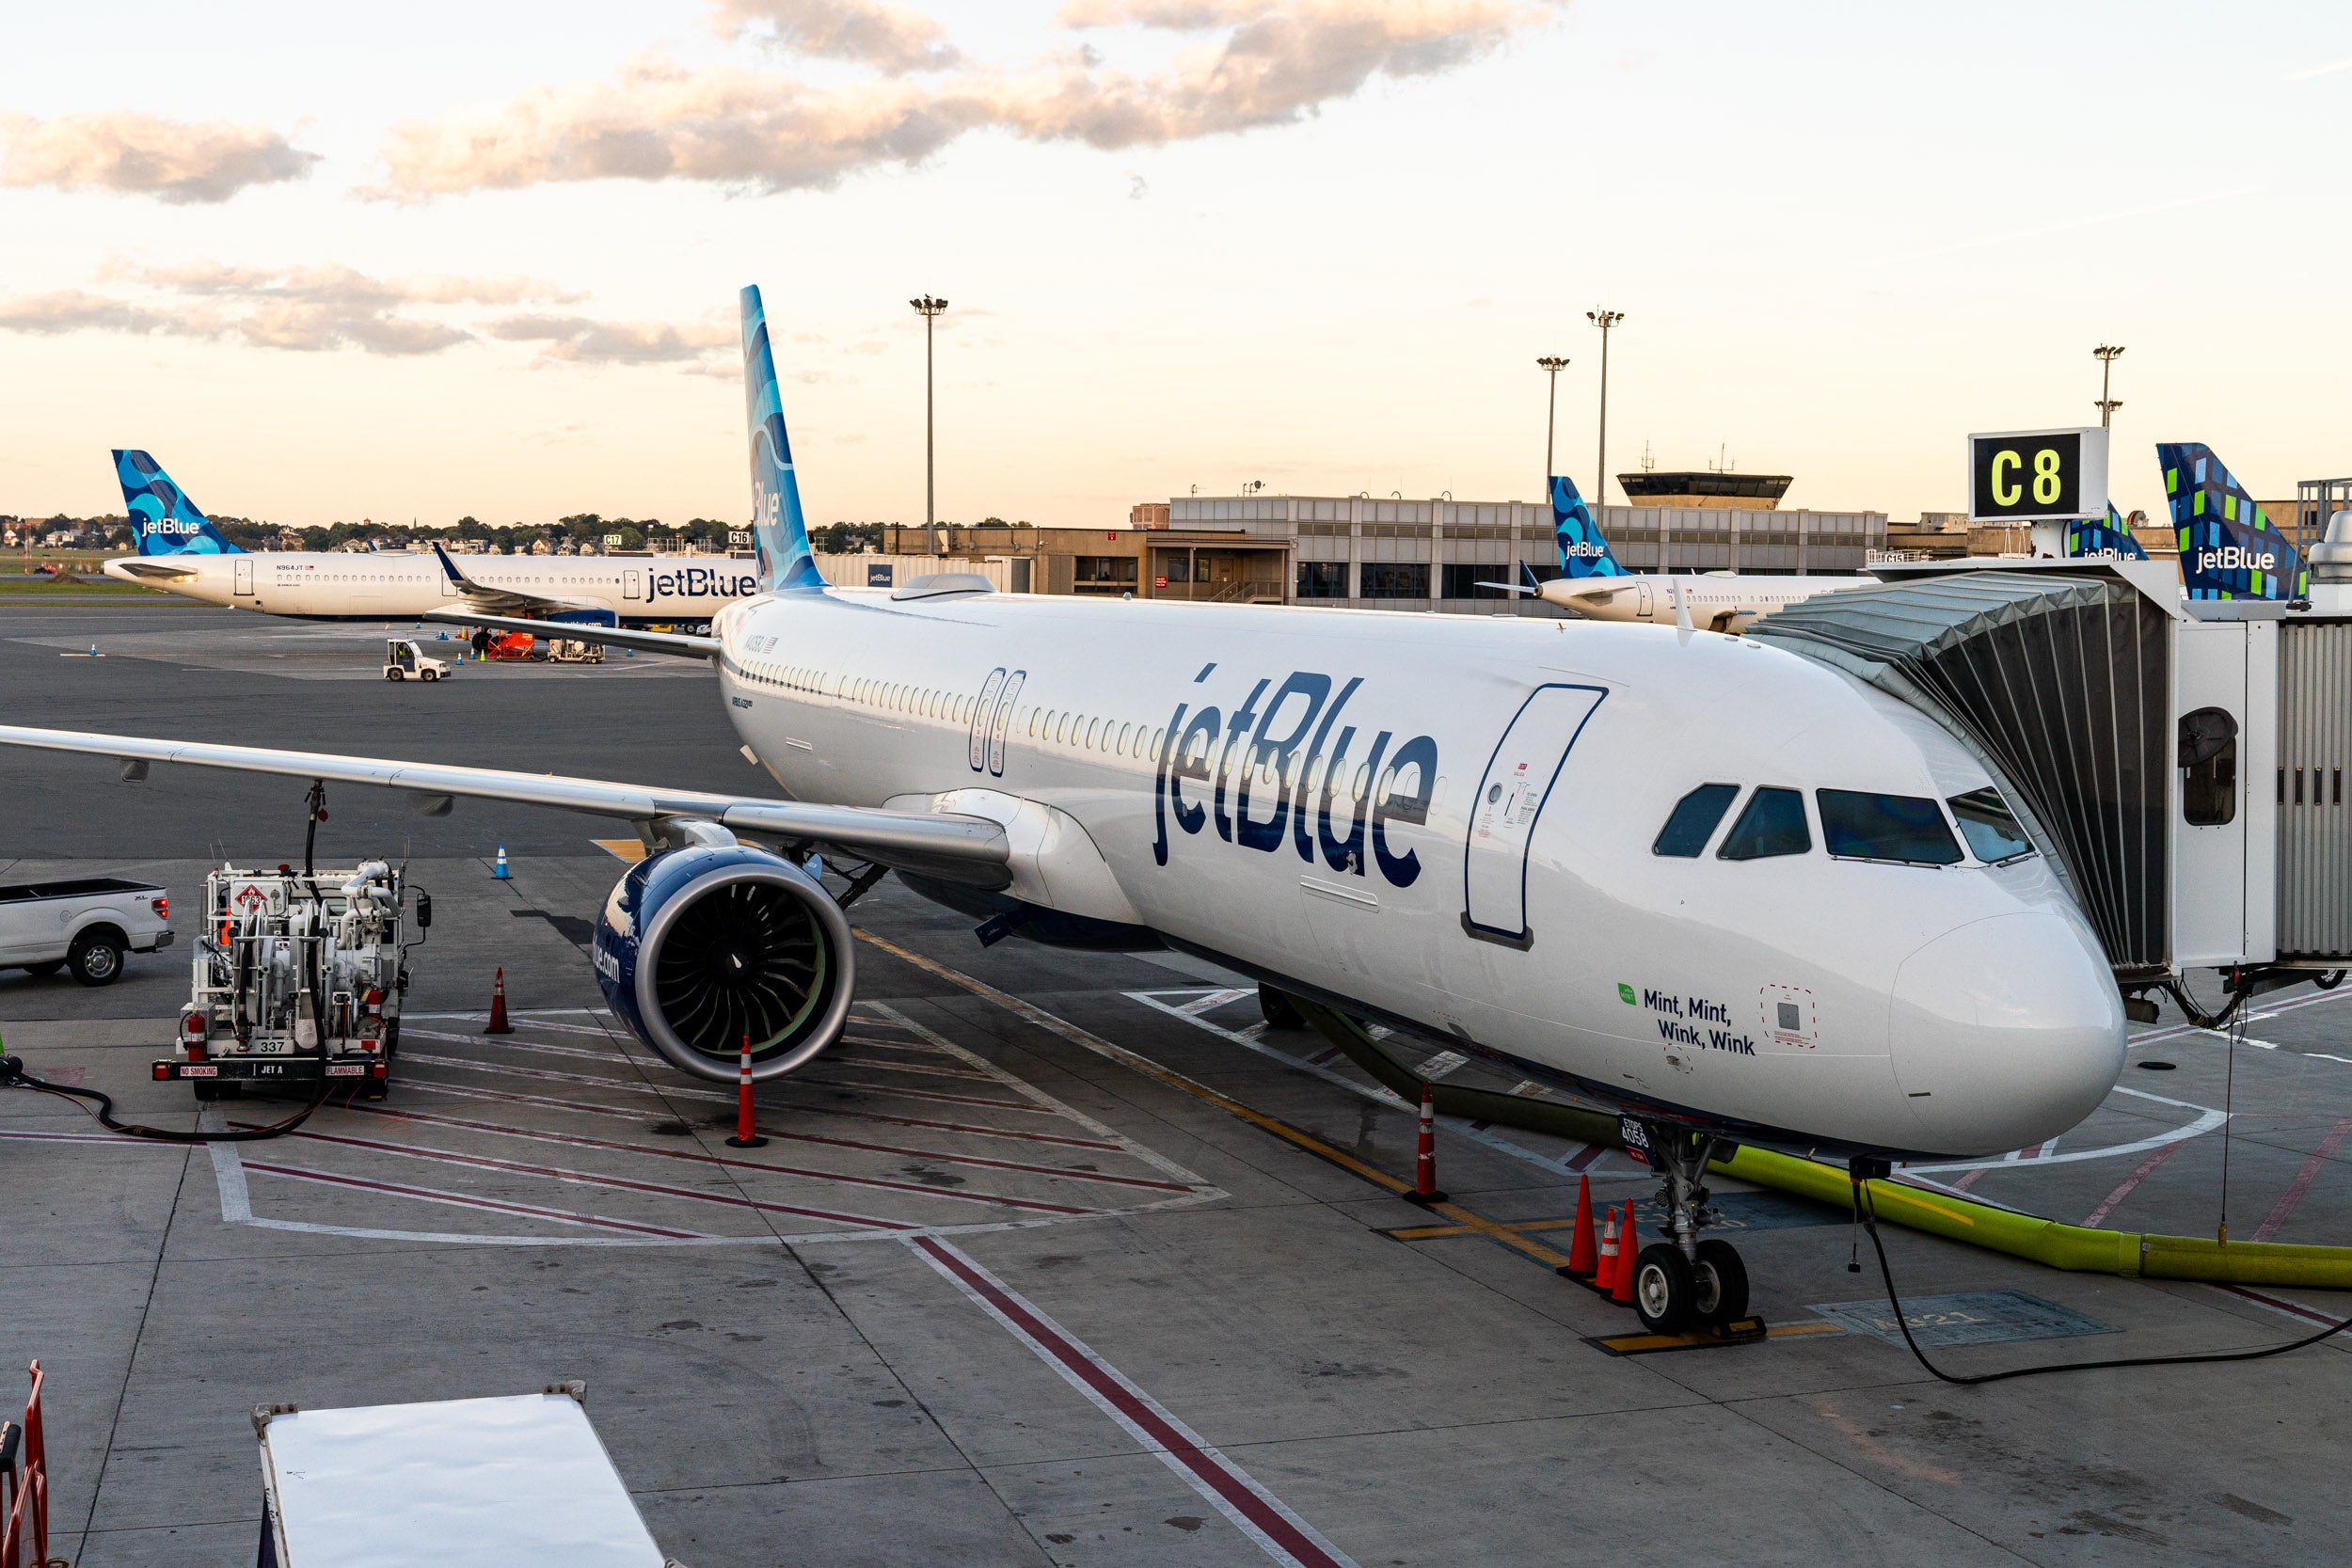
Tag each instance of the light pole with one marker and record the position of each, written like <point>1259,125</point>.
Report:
<point>1603,319</point>
<point>1551,364</point>
<point>930,308</point>
<point>2106,354</point>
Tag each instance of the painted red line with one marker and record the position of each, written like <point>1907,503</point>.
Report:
<point>1584,1158</point>
<point>2294,1307</point>
<point>2302,1183</point>
<point>922,1069</point>
<point>667,1154</point>
<point>2145,1168</point>
<point>1274,1527</point>
<point>509,1070</point>
<point>117,1140</point>
<point>464,1201</point>
<point>797,1110</point>
<point>1969,1179</point>
<point>566,1174</point>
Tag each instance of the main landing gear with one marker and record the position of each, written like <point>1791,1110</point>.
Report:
<point>1685,1282</point>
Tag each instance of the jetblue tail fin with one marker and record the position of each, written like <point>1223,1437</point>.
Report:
<point>2228,548</point>
<point>785,561</point>
<point>1584,553</point>
<point>162,518</point>
<point>2111,540</point>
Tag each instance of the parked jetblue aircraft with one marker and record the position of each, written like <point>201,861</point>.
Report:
<point>1595,586</point>
<point>2228,548</point>
<point>1708,882</point>
<point>180,551</point>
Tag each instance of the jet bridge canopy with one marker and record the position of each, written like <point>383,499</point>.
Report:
<point>2063,685</point>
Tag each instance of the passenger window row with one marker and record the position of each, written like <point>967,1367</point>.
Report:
<point>1909,829</point>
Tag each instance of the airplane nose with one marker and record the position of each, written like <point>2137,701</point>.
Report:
<point>2005,1032</point>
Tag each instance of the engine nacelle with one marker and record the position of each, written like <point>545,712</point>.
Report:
<point>699,948</point>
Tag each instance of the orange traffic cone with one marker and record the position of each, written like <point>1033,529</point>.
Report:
<point>1583,1256</point>
<point>1629,1247</point>
<point>1605,1274</point>
<point>1426,1153</point>
<point>746,1121</point>
<point>498,1006</point>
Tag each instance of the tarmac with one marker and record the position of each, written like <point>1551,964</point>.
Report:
<point>1058,1258</point>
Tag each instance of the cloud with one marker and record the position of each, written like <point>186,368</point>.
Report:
<point>306,309</point>
<point>583,340</point>
<point>888,38</point>
<point>121,150</point>
<point>1259,63</point>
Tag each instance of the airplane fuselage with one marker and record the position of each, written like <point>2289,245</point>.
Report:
<point>1449,821</point>
<point>338,585</point>
<point>1719,601</point>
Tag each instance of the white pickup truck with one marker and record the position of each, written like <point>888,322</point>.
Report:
<point>86,926</point>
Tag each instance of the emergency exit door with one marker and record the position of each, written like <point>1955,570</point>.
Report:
<point>629,584</point>
<point>1519,782</point>
<point>243,571</point>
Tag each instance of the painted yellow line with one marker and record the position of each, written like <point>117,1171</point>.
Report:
<point>1440,1232</point>
<point>1635,1344</point>
<point>1464,1221</point>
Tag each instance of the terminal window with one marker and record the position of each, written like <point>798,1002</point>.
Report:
<point>1395,579</point>
<point>1468,579</point>
<point>1323,579</point>
<point>1103,571</point>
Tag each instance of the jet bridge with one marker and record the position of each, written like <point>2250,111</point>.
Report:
<point>2137,734</point>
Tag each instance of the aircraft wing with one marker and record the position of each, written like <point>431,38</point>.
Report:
<point>508,600</point>
<point>966,850</point>
<point>680,643</point>
<point>153,569</point>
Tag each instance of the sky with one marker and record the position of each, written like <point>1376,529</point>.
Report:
<point>444,259</point>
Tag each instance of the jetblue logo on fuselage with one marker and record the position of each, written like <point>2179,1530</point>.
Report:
<point>696,582</point>
<point>1304,778</point>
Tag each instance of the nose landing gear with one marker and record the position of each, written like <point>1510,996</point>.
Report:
<point>1685,1282</point>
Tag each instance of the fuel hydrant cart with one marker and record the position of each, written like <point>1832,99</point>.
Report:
<point>299,976</point>
<point>521,1481</point>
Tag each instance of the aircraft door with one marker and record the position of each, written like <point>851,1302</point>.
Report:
<point>1004,722</point>
<point>631,587</point>
<point>244,575</point>
<point>984,716</point>
<point>1641,599</point>
<point>1517,785</point>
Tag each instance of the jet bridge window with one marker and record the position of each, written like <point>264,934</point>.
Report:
<point>2208,764</point>
<point>1856,825</point>
<point>1990,827</point>
<point>1694,820</point>
<point>1772,824</point>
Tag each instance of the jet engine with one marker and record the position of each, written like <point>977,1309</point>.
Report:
<point>700,949</point>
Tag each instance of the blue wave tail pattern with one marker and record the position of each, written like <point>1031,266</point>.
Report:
<point>162,518</point>
<point>2228,548</point>
<point>2110,539</point>
<point>1584,553</point>
<point>785,561</point>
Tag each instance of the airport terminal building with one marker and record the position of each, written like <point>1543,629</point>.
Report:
<point>1392,553</point>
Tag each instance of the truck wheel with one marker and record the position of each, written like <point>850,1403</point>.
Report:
<point>205,1090</point>
<point>432,674</point>
<point>45,969</point>
<point>393,675</point>
<point>96,960</point>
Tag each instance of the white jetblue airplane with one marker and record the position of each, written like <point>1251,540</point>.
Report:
<point>180,551</point>
<point>1711,883</point>
<point>1593,584</point>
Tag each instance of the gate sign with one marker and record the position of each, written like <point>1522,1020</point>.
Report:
<point>2019,476</point>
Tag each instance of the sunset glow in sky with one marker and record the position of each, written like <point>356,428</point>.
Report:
<point>328,262</point>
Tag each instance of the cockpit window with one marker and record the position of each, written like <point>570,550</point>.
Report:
<point>1989,826</point>
<point>1772,824</point>
<point>1865,827</point>
<point>1694,822</point>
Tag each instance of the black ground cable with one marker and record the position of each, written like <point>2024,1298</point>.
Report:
<point>12,1075</point>
<point>1865,1215</point>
